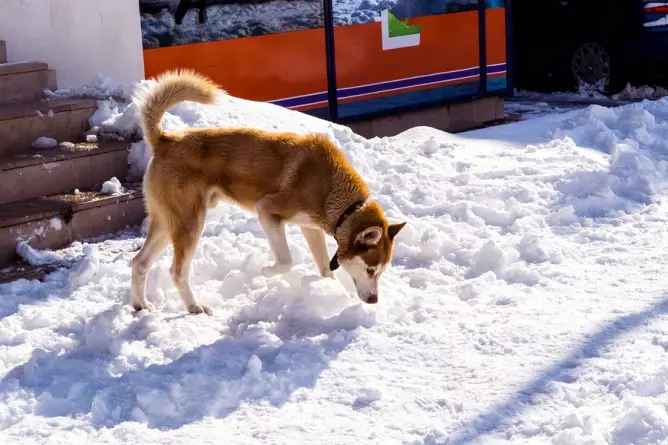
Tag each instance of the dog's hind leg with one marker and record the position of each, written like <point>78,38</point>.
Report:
<point>185,235</point>
<point>274,227</point>
<point>315,238</point>
<point>156,241</point>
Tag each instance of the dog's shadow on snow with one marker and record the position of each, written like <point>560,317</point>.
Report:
<point>213,380</point>
<point>495,418</point>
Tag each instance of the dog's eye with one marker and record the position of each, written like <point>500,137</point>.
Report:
<point>370,272</point>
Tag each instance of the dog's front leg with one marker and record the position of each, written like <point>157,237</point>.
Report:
<point>315,238</point>
<point>274,227</point>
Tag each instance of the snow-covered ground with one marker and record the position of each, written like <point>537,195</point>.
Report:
<point>526,304</point>
<point>530,104</point>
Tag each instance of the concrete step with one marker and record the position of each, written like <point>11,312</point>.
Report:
<point>3,51</point>
<point>64,120</point>
<point>55,221</point>
<point>34,173</point>
<point>24,81</point>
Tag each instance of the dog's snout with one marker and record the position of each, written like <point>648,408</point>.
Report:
<point>372,299</point>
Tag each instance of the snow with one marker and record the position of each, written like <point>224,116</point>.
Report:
<point>631,92</point>
<point>532,104</point>
<point>101,87</point>
<point>525,304</point>
<point>663,21</point>
<point>44,142</point>
<point>56,223</point>
<point>112,187</point>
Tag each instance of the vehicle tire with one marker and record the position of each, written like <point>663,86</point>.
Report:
<point>595,66</point>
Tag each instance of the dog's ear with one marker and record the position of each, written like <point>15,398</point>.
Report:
<point>369,237</point>
<point>394,229</point>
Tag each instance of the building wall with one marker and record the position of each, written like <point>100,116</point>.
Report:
<point>412,54</point>
<point>77,38</point>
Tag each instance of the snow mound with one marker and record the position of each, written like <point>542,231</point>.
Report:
<point>633,137</point>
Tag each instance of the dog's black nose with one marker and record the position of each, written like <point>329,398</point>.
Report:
<point>373,299</point>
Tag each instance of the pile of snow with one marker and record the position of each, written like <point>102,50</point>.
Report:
<point>525,303</point>
<point>112,187</point>
<point>631,92</point>
<point>634,139</point>
<point>44,143</point>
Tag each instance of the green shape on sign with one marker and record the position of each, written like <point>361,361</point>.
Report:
<point>398,28</point>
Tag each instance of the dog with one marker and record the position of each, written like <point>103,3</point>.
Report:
<point>283,177</point>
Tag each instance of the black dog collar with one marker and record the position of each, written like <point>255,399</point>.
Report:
<point>355,206</point>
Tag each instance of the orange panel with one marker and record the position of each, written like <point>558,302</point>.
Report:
<point>258,68</point>
<point>290,64</point>
<point>448,42</point>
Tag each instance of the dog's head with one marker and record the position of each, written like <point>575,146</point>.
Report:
<point>365,253</point>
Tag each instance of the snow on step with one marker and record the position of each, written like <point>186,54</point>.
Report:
<point>112,187</point>
<point>44,142</point>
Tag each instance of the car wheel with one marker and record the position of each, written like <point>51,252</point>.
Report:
<point>594,67</point>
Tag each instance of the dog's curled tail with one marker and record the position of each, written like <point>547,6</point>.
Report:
<point>170,89</point>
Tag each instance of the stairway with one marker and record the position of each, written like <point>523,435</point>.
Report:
<point>51,197</point>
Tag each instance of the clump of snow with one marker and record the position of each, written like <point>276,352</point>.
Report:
<point>86,268</point>
<point>138,159</point>
<point>56,223</point>
<point>254,365</point>
<point>34,257</point>
<point>112,187</point>
<point>43,142</point>
<point>367,397</point>
<point>118,120</point>
<point>91,138</point>
<point>631,92</point>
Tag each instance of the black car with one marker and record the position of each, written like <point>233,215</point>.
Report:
<point>602,44</point>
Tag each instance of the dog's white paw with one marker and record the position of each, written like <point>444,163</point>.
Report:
<point>200,309</point>
<point>276,269</point>
<point>143,306</point>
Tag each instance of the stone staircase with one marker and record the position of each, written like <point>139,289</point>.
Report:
<point>51,197</point>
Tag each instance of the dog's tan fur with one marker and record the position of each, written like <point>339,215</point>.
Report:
<point>284,177</point>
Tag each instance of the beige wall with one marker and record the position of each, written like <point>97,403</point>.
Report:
<point>77,38</point>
